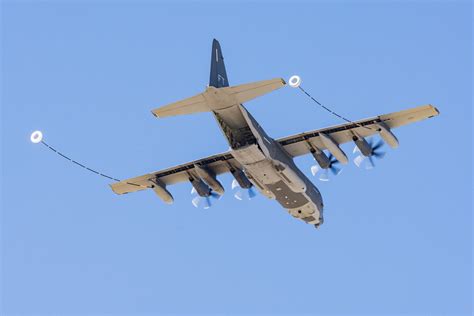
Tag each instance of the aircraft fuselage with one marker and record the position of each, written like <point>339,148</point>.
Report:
<point>268,166</point>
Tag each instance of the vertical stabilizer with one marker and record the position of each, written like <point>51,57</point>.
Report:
<point>218,76</point>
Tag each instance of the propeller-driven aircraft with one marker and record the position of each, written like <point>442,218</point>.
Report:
<point>258,161</point>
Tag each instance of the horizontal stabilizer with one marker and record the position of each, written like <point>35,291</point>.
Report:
<point>219,98</point>
<point>187,106</point>
<point>249,91</point>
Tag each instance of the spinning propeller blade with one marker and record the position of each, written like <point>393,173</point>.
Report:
<point>314,170</point>
<point>204,201</point>
<point>324,176</point>
<point>242,193</point>
<point>368,161</point>
<point>323,172</point>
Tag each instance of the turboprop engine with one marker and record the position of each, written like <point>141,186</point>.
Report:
<point>242,185</point>
<point>320,157</point>
<point>366,150</point>
<point>325,163</point>
<point>210,178</point>
<point>200,187</point>
<point>362,145</point>
<point>241,178</point>
<point>202,192</point>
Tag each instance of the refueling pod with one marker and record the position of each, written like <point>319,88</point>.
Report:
<point>210,178</point>
<point>160,189</point>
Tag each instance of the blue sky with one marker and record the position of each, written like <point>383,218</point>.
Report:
<point>396,239</point>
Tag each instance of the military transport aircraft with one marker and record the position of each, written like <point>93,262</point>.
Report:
<point>257,160</point>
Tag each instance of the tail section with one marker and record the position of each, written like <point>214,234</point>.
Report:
<point>219,95</point>
<point>218,78</point>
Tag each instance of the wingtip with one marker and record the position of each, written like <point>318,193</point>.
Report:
<point>113,189</point>
<point>434,109</point>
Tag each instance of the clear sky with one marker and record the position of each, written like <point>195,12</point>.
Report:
<point>396,239</point>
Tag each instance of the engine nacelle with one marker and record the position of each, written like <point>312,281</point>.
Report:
<point>210,178</point>
<point>320,157</point>
<point>241,178</point>
<point>333,148</point>
<point>160,189</point>
<point>388,137</point>
<point>362,144</point>
<point>200,186</point>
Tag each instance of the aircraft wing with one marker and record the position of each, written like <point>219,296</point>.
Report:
<point>193,104</point>
<point>219,163</point>
<point>297,145</point>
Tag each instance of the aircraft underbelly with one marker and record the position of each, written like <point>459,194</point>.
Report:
<point>285,196</point>
<point>232,117</point>
<point>272,183</point>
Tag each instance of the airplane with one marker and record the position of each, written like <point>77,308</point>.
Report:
<point>258,161</point>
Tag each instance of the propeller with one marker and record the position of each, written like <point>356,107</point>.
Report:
<point>203,201</point>
<point>368,160</point>
<point>324,172</point>
<point>242,193</point>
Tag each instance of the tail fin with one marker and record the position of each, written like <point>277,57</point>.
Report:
<point>218,76</point>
